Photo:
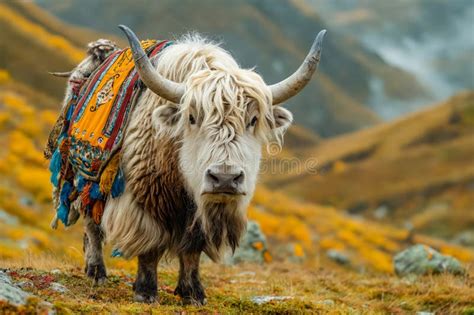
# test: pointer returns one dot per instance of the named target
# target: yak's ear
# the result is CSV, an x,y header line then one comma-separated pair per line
x,y
165,116
283,117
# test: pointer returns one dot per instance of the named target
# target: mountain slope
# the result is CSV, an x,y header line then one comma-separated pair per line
x,y
275,36
419,169
432,39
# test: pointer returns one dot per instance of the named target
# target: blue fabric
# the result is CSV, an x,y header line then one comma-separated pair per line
x,y
63,210
116,253
55,167
95,192
118,186
80,183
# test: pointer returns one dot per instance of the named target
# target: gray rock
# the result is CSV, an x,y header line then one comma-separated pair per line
x,y
252,247
268,298
327,302
381,212
338,256
465,238
420,260
11,293
58,287
8,218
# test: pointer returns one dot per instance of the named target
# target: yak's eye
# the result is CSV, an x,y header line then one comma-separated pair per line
x,y
192,121
253,122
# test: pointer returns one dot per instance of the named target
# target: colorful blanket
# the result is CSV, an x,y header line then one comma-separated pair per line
x,y
88,137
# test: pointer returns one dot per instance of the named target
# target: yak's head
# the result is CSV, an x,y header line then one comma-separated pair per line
x,y
222,113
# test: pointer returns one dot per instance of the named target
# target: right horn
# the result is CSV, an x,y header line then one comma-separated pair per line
x,y
292,85
170,90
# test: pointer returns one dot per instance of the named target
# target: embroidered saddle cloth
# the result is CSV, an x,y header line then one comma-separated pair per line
x,y
88,136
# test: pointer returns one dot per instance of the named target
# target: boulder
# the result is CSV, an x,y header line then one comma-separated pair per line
x,y
422,259
11,293
338,256
253,246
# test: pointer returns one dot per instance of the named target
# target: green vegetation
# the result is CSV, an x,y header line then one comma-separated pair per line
x,y
231,289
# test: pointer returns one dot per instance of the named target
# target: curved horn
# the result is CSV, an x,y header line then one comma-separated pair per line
x,y
292,85
161,86
61,74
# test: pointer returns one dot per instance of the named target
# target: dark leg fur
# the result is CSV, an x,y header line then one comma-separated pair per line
x,y
93,237
189,284
146,284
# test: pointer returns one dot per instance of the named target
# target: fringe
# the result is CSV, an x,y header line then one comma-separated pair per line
x,y
98,211
118,186
55,167
109,174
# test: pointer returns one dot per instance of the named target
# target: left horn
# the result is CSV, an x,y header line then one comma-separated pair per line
x,y
292,85
61,74
161,86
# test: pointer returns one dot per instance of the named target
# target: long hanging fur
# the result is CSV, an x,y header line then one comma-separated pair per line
x,y
156,209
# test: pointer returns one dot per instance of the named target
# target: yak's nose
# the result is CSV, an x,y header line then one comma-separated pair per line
x,y
225,178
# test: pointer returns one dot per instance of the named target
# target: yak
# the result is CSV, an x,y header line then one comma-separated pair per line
x,y
190,157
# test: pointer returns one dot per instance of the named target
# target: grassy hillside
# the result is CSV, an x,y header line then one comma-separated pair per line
x,y
419,168
308,230
308,290
300,234
274,36
33,42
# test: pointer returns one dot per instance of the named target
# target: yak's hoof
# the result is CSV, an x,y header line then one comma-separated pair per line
x,y
145,298
191,296
97,273
194,302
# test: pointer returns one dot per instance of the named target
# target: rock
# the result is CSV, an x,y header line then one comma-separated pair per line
x,y
10,293
327,302
465,238
268,298
58,287
420,260
55,271
26,284
8,218
381,212
253,246
13,295
338,256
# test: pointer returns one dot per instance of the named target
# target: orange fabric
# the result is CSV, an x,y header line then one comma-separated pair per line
x,y
89,127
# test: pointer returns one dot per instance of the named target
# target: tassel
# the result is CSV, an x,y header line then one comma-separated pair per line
x,y
55,167
95,192
63,213
116,253
98,211
109,174
118,186
85,197
66,191
80,182
54,222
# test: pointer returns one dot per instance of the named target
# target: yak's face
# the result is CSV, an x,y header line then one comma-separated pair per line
x,y
223,121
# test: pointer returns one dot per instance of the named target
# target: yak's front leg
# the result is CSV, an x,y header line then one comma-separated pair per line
x,y
146,284
93,237
189,284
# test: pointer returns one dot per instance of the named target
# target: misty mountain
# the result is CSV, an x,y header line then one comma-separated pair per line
x,y
272,36
432,39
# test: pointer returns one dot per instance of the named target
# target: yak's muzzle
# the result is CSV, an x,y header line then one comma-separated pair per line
x,y
224,179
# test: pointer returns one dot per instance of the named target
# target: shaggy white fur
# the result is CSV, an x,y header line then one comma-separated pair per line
x,y
225,116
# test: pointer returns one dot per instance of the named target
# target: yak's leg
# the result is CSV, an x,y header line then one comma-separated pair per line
x,y
189,284
93,237
146,284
